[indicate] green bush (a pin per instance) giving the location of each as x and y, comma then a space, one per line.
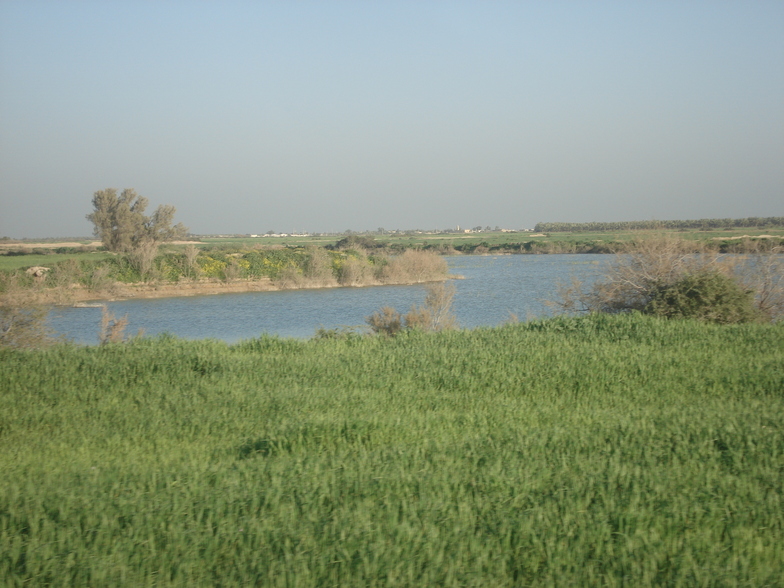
708, 296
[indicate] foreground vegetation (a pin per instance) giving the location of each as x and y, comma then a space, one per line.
598, 450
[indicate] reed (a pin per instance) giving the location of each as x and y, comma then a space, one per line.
596, 450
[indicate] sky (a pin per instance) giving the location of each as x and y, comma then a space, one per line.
256, 116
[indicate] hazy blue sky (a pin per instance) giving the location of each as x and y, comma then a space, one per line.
326, 116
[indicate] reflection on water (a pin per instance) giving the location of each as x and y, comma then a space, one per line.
494, 288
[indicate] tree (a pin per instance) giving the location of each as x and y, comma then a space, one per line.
122, 226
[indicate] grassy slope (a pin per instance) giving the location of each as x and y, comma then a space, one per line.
597, 450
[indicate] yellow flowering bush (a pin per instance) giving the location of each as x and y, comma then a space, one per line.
210, 267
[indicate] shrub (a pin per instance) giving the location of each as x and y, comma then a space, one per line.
710, 296
415, 266
318, 267
355, 271
24, 327
355, 242
386, 321
667, 277
763, 272
112, 329
343, 333
289, 278
190, 260
435, 315
22, 323
142, 258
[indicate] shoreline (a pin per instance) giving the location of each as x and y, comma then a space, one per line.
81, 297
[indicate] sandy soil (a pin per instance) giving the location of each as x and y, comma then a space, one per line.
744, 237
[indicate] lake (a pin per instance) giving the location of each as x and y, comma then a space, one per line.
494, 288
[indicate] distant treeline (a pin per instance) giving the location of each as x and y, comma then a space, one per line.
704, 223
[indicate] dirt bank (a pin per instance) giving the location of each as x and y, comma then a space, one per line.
76, 295
744, 237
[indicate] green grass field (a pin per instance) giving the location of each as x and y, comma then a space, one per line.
601, 450
10, 263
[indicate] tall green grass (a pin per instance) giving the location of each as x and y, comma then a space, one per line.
600, 450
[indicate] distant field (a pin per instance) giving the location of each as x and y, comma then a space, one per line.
491, 238
594, 451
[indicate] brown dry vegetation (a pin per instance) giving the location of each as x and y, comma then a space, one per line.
639, 280
433, 316
112, 328
22, 322
414, 266
66, 283
359, 269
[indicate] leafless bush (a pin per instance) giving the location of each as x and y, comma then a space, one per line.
386, 321
435, 315
355, 271
632, 279
22, 323
657, 265
142, 258
318, 267
192, 268
290, 278
415, 266
112, 329
99, 279
763, 273
232, 271
65, 274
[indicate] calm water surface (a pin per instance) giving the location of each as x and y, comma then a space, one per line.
494, 287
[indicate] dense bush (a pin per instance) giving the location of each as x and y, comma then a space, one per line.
356, 242
706, 295
667, 277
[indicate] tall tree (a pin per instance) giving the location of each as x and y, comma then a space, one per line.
120, 222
